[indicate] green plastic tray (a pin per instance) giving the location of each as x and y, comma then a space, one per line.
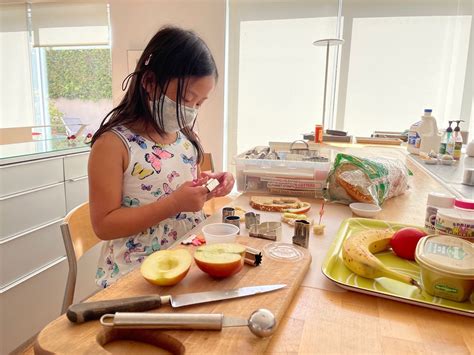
334, 268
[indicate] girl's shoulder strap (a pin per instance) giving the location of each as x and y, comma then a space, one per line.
122, 132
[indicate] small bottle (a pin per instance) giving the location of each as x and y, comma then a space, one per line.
436, 201
444, 140
450, 145
457, 141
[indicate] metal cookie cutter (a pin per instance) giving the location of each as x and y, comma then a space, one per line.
227, 211
251, 218
301, 236
302, 151
266, 230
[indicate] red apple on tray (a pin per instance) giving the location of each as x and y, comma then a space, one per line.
166, 267
220, 260
404, 242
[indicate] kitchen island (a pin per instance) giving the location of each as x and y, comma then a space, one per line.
321, 317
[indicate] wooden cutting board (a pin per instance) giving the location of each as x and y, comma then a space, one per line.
62, 336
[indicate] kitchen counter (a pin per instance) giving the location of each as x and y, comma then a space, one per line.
20, 152
451, 175
323, 318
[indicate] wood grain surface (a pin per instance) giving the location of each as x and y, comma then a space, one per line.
61, 336
321, 318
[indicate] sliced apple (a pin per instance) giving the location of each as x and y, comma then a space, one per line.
220, 260
166, 267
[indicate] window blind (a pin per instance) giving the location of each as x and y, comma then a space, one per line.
69, 24
16, 100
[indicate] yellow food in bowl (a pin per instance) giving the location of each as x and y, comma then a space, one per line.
447, 266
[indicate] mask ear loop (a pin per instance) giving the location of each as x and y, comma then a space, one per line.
127, 79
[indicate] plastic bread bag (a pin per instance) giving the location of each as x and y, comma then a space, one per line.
366, 180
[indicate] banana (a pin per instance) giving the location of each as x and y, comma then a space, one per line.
358, 255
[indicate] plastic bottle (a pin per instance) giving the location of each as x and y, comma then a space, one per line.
423, 135
457, 141
450, 145
434, 202
445, 138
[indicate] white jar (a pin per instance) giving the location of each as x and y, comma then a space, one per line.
435, 201
455, 222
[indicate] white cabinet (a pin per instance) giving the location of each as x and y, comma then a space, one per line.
30, 209
75, 166
29, 175
30, 251
31, 303
34, 198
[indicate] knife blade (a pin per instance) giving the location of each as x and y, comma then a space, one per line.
83, 312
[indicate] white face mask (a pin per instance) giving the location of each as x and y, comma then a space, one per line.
170, 121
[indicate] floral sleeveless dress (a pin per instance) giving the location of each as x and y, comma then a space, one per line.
154, 171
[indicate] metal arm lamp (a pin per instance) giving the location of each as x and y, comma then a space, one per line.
327, 43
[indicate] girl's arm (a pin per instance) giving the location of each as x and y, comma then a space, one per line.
107, 163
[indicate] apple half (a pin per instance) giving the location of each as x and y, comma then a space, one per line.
166, 267
220, 260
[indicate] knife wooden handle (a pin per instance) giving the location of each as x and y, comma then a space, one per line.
83, 312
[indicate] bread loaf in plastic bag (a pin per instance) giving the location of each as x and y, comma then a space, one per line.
354, 179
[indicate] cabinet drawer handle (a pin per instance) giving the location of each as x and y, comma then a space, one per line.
78, 179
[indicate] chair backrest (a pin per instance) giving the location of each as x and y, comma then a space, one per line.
207, 163
79, 237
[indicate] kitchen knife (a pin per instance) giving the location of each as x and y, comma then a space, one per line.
83, 312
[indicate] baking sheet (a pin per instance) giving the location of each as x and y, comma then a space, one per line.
335, 270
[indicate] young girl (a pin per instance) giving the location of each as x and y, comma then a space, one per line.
145, 187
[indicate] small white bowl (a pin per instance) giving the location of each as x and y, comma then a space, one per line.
365, 209
220, 233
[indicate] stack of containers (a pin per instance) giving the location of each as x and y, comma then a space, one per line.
457, 221
436, 201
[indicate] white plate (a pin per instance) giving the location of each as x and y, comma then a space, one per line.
447, 162
365, 209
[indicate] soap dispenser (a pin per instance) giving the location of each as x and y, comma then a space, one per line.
457, 141
446, 138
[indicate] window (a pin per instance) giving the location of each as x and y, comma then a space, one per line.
398, 58
275, 75
400, 65
58, 67
281, 79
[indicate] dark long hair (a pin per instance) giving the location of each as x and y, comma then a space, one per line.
172, 53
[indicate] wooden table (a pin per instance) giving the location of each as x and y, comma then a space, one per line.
325, 320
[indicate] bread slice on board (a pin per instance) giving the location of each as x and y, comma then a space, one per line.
279, 204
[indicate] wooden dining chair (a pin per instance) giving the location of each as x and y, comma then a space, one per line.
79, 237
207, 163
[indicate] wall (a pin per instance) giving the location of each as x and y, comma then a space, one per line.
135, 22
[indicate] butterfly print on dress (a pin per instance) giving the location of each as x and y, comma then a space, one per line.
156, 156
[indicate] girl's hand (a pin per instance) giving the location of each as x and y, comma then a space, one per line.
226, 183
189, 197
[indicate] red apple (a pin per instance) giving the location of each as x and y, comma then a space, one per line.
220, 260
404, 242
